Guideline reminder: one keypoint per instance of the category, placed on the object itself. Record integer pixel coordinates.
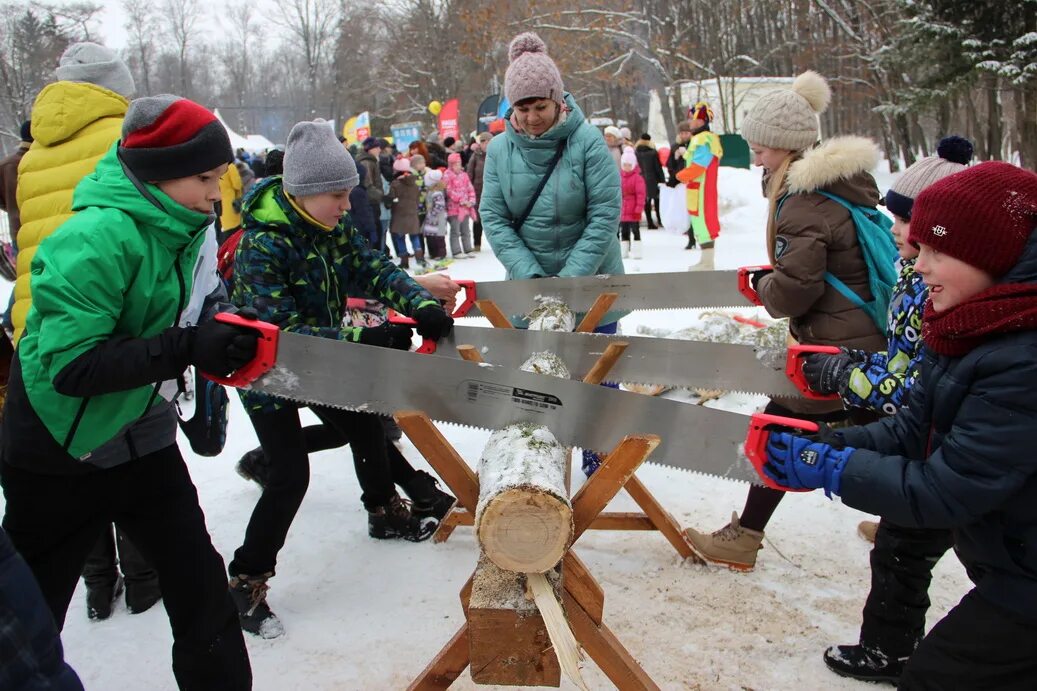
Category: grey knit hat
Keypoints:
(315, 161)
(93, 63)
(952, 156)
(787, 118)
(531, 74)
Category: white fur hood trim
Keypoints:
(836, 159)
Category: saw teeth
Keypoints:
(689, 471)
(646, 309)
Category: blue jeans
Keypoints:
(399, 243)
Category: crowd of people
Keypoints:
(930, 430)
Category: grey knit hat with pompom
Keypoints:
(787, 118)
(531, 74)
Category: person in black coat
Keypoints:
(675, 163)
(361, 212)
(959, 454)
(652, 172)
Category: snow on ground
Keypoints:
(366, 614)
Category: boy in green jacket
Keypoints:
(89, 433)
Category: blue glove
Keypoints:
(799, 463)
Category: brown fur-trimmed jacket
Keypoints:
(815, 235)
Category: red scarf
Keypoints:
(1001, 309)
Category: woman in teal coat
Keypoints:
(571, 229)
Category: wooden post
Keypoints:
(493, 313)
(469, 353)
(596, 312)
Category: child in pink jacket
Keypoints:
(633, 203)
(460, 207)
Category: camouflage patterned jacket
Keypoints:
(883, 380)
(297, 275)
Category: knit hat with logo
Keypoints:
(531, 74)
(167, 137)
(315, 162)
(952, 156)
(983, 215)
(93, 63)
(787, 118)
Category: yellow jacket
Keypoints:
(230, 190)
(73, 125)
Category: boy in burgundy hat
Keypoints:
(118, 314)
(959, 453)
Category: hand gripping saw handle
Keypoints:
(427, 344)
(761, 425)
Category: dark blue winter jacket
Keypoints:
(962, 454)
(30, 650)
(360, 209)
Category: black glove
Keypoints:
(756, 276)
(433, 322)
(827, 374)
(219, 348)
(387, 335)
(825, 434)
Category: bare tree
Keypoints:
(140, 28)
(180, 17)
(313, 24)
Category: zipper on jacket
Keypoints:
(75, 424)
(180, 305)
(327, 288)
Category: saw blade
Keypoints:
(672, 290)
(646, 360)
(323, 371)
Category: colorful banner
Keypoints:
(404, 133)
(448, 115)
(487, 113)
(362, 126)
(349, 130)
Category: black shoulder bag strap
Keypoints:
(517, 223)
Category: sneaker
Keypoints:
(867, 530)
(732, 546)
(255, 467)
(249, 595)
(395, 520)
(428, 501)
(142, 595)
(864, 663)
(470, 255)
(100, 599)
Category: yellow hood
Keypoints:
(63, 109)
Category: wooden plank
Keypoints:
(446, 526)
(469, 353)
(446, 666)
(580, 584)
(606, 650)
(605, 362)
(493, 313)
(596, 312)
(443, 458)
(617, 468)
(466, 594)
(660, 518)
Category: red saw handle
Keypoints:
(794, 369)
(428, 345)
(745, 284)
(266, 351)
(760, 427)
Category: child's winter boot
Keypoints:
(142, 595)
(249, 595)
(428, 501)
(395, 520)
(100, 598)
(691, 240)
(864, 663)
(254, 466)
(635, 249)
(732, 546)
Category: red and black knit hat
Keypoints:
(167, 137)
(983, 215)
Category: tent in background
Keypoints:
(254, 143)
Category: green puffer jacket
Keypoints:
(572, 228)
(297, 275)
(120, 266)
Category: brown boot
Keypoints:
(867, 530)
(732, 546)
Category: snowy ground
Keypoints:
(363, 614)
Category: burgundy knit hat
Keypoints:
(983, 215)
(167, 137)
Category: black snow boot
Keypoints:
(255, 466)
(249, 595)
(864, 663)
(691, 241)
(142, 595)
(395, 520)
(100, 598)
(428, 500)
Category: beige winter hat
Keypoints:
(787, 118)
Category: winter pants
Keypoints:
(399, 243)
(281, 435)
(477, 234)
(323, 437)
(902, 562)
(436, 246)
(976, 646)
(377, 239)
(460, 235)
(628, 228)
(651, 199)
(55, 520)
(100, 570)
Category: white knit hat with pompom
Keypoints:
(531, 74)
(787, 118)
